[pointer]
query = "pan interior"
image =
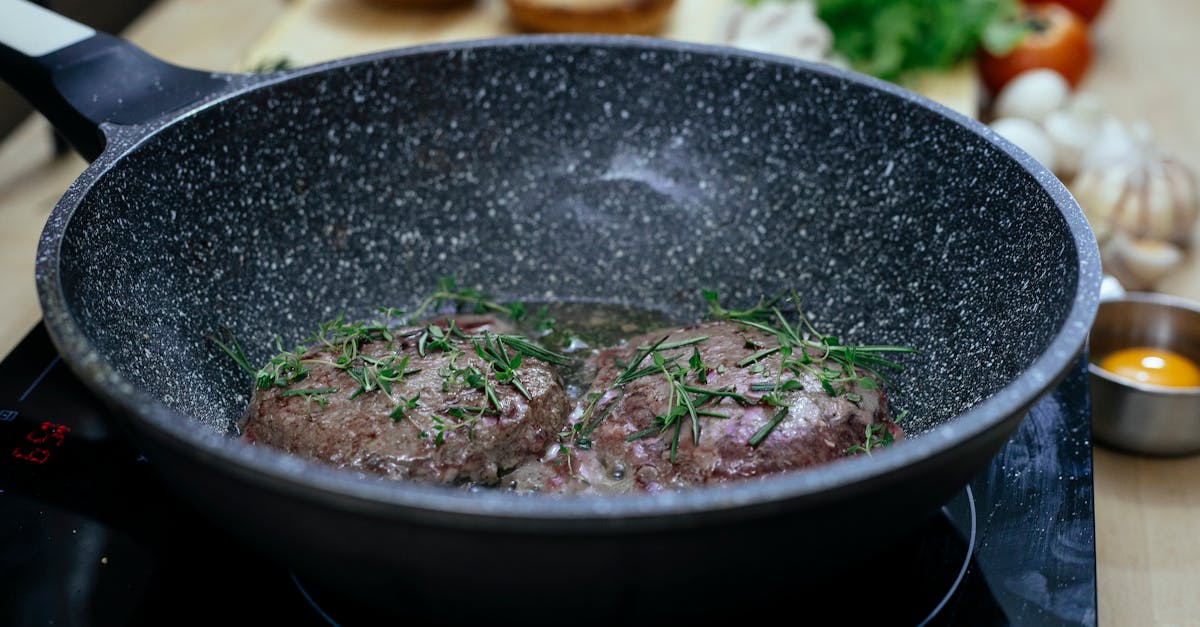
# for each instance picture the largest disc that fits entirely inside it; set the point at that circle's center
(606, 173)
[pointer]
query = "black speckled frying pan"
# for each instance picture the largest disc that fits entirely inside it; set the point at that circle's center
(581, 168)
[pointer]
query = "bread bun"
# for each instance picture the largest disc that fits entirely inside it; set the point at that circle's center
(632, 17)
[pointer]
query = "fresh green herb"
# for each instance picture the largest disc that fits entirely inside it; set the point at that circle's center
(456, 418)
(682, 401)
(316, 395)
(543, 323)
(593, 415)
(405, 405)
(696, 365)
(348, 337)
(835, 365)
(468, 377)
(378, 374)
(435, 337)
(464, 300)
(670, 345)
(704, 395)
(525, 347)
(766, 429)
(234, 350)
(633, 371)
(271, 64)
(890, 38)
(504, 367)
(877, 435)
(282, 370)
(564, 456)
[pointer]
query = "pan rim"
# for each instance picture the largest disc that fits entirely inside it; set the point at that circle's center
(402, 499)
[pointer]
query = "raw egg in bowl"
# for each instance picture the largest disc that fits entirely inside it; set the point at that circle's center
(1145, 374)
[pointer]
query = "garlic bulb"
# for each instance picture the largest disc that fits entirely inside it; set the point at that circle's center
(1142, 206)
(1075, 129)
(784, 28)
(1028, 136)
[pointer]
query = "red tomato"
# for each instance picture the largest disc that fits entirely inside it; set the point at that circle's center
(1059, 41)
(1087, 9)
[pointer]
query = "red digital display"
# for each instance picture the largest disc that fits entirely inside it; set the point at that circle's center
(41, 441)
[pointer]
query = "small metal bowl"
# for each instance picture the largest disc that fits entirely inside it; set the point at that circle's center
(1132, 416)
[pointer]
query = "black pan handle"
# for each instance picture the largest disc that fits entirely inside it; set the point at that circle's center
(79, 78)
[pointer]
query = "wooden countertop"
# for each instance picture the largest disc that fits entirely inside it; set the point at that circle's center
(1146, 510)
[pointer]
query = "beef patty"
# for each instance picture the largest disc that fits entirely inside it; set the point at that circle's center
(444, 416)
(625, 435)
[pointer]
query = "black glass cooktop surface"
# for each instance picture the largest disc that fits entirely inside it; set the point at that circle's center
(90, 536)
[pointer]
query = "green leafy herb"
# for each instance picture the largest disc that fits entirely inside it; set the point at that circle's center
(834, 364)
(696, 365)
(877, 435)
(766, 429)
(633, 370)
(889, 38)
(282, 370)
(271, 64)
(525, 347)
(683, 401)
(465, 300)
(468, 377)
(504, 367)
(378, 374)
(317, 395)
(405, 405)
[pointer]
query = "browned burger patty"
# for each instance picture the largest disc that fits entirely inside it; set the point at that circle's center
(623, 448)
(440, 436)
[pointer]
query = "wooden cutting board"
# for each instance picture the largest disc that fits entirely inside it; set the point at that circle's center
(312, 31)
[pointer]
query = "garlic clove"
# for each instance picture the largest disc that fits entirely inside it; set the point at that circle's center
(1032, 95)
(1101, 192)
(1028, 136)
(1140, 263)
(1113, 143)
(1070, 138)
(1073, 130)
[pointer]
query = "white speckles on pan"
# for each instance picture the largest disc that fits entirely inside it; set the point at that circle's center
(577, 171)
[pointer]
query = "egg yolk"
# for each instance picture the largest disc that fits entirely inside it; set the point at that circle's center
(1153, 366)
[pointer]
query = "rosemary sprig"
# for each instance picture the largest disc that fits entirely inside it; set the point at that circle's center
(669, 345)
(632, 370)
(282, 370)
(316, 395)
(503, 366)
(339, 343)
(766, 429)
(465, 300)
(813, 348)
(523, 346)
(682, 401)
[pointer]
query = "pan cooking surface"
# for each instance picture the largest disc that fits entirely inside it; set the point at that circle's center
(540, 175)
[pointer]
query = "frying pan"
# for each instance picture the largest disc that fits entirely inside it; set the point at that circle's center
(577, 168)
